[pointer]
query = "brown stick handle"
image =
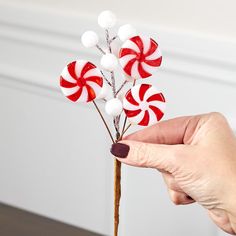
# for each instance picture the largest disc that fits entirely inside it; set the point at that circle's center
(117, 194)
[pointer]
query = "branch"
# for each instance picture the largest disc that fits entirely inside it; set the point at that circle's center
(97, 108)
(108, 40)
(125, 130)
(100, 49)
(112, 39)
(109, 83)
(121, 87)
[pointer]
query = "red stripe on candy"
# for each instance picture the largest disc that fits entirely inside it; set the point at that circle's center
(74, 97)
(71, 70)
(142, 72)
(133, 113)
(145, 119)
(158, 113)
(156, 97)
(66, 84)
(96, 79)
(138, 41)
(91, 93)
(127, 51)
(130, 98)
(153, 47)
(156, 62)
(128, 66)
(142, 90)
(88, 66)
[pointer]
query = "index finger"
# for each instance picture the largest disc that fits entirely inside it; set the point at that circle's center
(174, 131)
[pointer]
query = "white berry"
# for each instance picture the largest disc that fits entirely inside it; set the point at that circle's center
(89, 39)
(106, 19)
(109, 62)
(104, 91)
(126, 31)
(113, 107)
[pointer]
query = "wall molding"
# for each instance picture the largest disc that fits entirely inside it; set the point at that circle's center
(185, 53)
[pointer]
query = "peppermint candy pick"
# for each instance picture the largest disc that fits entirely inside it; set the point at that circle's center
(144, 105)
(81, 81)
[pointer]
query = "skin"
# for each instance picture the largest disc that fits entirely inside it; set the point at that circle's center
(197, 158)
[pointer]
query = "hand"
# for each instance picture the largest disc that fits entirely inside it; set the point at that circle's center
(197, 158)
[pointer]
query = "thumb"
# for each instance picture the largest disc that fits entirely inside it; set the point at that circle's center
(159, 156)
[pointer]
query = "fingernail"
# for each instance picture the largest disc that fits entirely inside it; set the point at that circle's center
(120, 150)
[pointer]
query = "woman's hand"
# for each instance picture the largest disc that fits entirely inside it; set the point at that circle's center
(197, 158)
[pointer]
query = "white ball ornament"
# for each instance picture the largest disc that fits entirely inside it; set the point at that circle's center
(114, 107)
(106, 19)
(126, 31)
(89, 39)
(109, 62)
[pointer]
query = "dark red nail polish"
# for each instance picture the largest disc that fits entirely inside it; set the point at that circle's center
(120, 150)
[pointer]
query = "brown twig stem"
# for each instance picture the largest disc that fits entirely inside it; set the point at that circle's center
(124, 126)
(105, 123)
(117, 194)
(117, 164)
(117, 190)
(125, 130)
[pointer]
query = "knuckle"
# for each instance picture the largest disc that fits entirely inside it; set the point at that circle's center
(178, 153)
(142, 155)
(217, 116)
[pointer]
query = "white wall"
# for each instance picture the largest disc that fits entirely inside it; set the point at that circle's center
(55, 155)
(216, 17)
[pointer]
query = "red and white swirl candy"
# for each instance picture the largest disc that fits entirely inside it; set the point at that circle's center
(81, 81)
(140, 57)
(144, 105)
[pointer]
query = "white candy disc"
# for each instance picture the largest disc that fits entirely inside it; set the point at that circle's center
(140, 57)
(144, 105)
(81, 81)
